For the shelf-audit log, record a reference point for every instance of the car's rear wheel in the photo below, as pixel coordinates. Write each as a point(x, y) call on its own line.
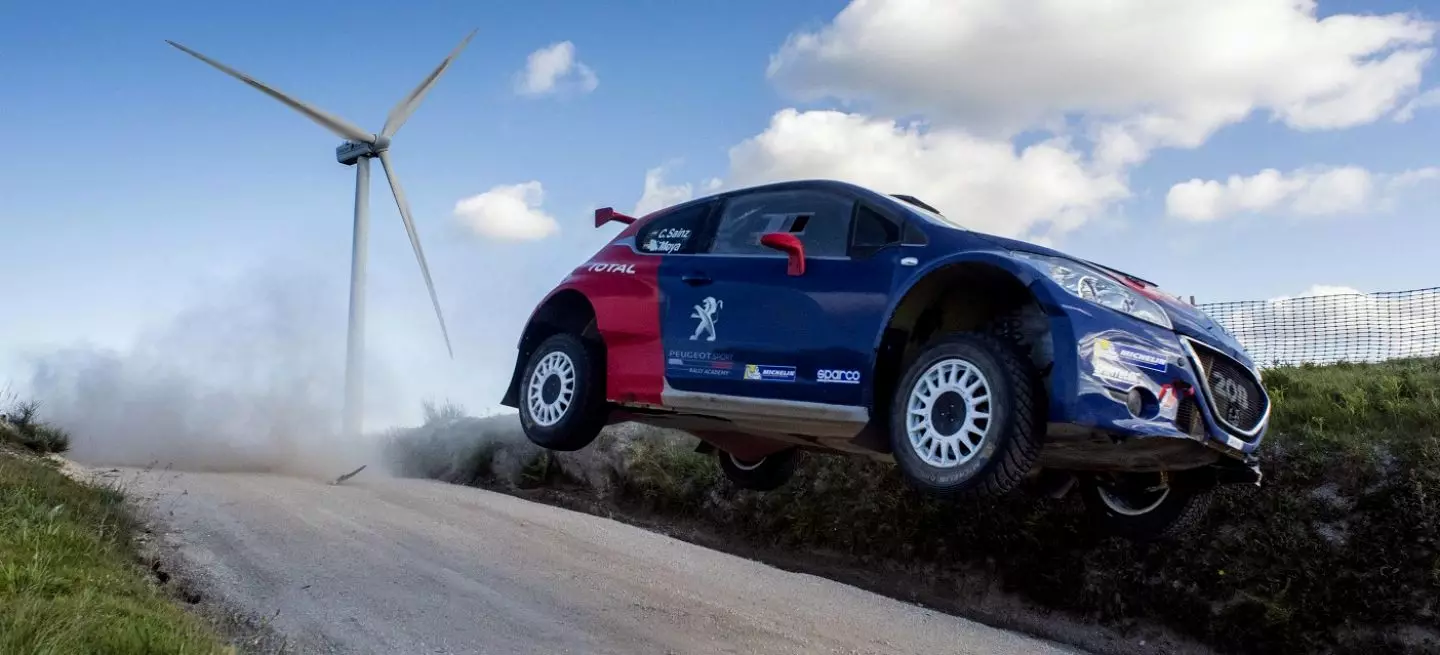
point(562, 394)
point(1147, 506)
point(966, 420)
point(765, 474)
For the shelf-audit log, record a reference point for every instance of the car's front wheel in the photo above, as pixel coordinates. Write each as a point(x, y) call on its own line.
point(765, 474)
point(562, 405)
point(1147, 506)
point(966, 417)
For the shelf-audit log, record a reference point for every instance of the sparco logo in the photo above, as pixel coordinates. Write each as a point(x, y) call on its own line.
point(835, 375)
point(628, 269)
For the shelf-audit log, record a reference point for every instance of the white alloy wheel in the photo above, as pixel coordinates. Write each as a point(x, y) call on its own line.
point(1121, 504)
point(742, 465)
point(551, 389)
point(948, 414)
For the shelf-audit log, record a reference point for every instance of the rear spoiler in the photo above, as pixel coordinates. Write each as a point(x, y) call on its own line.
point(604, 215)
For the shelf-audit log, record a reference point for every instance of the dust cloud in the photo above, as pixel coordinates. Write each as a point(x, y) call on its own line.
point(248, 379)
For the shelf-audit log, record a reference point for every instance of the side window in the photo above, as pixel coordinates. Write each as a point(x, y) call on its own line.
point(820, 220)
point(873, 230)
point(678, 232)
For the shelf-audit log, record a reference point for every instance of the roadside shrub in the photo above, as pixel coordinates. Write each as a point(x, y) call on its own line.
point(20, 424)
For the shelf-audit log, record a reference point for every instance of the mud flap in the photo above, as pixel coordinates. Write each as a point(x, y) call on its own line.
point(512, 393)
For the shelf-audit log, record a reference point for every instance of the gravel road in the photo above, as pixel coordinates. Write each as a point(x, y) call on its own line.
point(380, 565)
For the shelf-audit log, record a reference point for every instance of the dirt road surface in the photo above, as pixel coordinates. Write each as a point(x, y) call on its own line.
point(378, 565)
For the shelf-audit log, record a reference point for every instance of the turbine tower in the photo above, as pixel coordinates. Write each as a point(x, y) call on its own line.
point(358, 149)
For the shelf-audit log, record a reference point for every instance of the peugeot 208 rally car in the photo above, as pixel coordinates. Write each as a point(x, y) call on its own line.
point(823, 316)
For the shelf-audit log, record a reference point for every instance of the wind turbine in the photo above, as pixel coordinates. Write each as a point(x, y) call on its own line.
point(358, 149)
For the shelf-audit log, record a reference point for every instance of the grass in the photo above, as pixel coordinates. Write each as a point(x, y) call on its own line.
point(70, 579)
point(1372, 412)
point(1339, 551)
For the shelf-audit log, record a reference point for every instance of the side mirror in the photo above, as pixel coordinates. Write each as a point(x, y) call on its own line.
point(791, 246)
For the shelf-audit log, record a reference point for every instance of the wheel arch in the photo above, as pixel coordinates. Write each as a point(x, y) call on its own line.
point(963, 292)
point(563, 310)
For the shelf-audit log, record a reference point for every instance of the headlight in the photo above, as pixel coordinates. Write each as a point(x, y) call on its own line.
point(1099, 288)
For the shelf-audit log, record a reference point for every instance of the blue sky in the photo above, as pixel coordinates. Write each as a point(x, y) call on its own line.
point(139, 180)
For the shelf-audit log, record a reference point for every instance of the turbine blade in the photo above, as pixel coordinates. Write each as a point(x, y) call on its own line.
point(414, 242)
point(340, 126)
point(402, 111)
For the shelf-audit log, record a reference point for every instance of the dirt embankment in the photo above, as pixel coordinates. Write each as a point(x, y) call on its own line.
point(1338, 552)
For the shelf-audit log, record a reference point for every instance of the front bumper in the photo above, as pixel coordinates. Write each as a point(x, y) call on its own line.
point(1130, 380)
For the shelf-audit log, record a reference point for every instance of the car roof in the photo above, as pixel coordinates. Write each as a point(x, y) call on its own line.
point(833, 186)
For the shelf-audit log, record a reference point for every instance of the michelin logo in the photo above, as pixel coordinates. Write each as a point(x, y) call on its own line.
point(837, 376)
point(769, 373)
point(1128, 354)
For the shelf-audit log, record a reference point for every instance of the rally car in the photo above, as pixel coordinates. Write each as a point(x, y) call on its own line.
point(823, 316)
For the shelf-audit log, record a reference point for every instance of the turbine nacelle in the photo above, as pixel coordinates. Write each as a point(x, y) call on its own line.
point(350, 152)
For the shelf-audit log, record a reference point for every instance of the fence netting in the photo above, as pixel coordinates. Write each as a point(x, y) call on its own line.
point(1352, 327)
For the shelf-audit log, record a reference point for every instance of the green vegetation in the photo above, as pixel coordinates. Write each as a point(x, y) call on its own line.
point(70, 580)
point(1338, 551)
point(20, 425)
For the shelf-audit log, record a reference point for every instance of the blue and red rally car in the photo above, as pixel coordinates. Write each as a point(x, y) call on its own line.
point(823, 316)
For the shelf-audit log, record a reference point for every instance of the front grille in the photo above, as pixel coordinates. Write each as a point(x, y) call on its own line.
point(1236, 398)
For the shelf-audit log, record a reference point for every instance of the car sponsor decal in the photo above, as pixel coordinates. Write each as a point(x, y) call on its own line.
point(766, 373)
point(707, 313)
point(1112, 373)
point(701, 362)
point(601, 267)
point(840, 376)
point(1141, 357)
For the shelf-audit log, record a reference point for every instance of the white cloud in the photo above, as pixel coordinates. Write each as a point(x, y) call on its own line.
point(1425, 100)
point(1140, 74)
point(1322, 290)
point(1093, 88)
point(1304, 192)
point(658, 195)
point(553, 69)
point(508, 213)
point(985, 184)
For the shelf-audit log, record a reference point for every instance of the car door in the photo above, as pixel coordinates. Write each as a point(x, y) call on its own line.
point(737, 323)
point(632, 303)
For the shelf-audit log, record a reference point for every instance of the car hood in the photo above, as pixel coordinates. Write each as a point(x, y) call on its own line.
point(1188, 319)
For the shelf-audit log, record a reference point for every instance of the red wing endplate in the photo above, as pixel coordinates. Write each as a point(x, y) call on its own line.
point(605, 215)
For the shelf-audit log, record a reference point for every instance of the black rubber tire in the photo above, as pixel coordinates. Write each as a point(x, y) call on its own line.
point(1178, 515)
point(587, 412)
point(770, 473)
point(1013, 437)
